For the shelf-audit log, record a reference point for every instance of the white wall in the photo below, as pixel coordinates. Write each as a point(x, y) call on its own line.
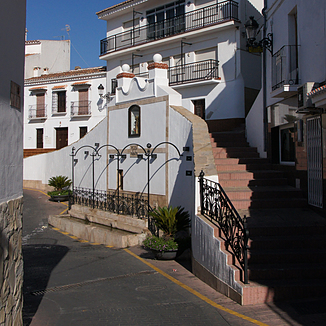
point(12, 18)
point(98, 112)
point(44, 166)
point(54, 55)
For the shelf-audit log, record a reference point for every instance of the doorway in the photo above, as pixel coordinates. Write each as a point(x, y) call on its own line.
point(199, 107)
point(61, 137)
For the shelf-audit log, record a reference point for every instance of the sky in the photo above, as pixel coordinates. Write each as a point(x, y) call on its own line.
point(47, 20)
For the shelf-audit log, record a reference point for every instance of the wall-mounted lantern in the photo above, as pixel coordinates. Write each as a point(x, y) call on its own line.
point(251, 33)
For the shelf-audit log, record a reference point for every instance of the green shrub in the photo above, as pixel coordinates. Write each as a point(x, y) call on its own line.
point(59, 182)
point(159, 244)
point(171, 219)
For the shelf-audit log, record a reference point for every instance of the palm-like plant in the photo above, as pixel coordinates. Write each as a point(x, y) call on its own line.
point(59, 182)
point(170, 219)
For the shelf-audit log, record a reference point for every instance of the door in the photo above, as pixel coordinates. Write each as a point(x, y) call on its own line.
point(61, 137)
point(83, 102)
point(39, 138)
point(315, 162)
point(199, 108)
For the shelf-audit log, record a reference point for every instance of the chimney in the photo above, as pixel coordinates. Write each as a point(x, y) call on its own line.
point(37, 71)
point(158, 70)
point(45, 71)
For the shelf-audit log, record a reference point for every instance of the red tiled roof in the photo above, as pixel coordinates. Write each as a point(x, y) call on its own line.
point(69, 73)
point(80, 83)
point(59, 87)
point(32, 42)
point(121, 4)
point(38, 88)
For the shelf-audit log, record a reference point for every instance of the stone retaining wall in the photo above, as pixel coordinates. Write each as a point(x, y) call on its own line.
point(11, 262)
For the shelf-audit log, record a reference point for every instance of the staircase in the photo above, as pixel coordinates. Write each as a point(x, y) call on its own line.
point(287, 255)
point(250, 181)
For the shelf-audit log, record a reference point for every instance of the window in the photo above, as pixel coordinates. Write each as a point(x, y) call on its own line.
point(59, 102)
point(134, 121)
point(15, 95)
point(40, 105)
point(82, 131)
point(83, 102)
point(39, 138)
point(166, 20)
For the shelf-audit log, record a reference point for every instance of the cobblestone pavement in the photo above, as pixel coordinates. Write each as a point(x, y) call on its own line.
point(71, 282)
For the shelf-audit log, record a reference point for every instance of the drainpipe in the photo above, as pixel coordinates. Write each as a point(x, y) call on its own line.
point(265, 121)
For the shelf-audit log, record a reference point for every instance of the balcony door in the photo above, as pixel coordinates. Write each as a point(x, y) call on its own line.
point(61, 137)
point(40, 105)
point(83, 102)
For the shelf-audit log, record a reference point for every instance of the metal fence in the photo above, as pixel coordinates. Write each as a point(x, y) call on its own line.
point(216, 205)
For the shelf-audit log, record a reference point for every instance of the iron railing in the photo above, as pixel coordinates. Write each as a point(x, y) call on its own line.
point(216, 205)
point(191, 72)
point(37, 111)
point(124, 204)
point(79, 108)
point(182, 74)
point(223, 11)
point(285, 69)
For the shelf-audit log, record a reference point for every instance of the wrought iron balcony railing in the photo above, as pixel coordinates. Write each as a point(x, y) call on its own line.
point(79, 108)
point(182, 74)
point(192, 72)
point(37, 111)
point(223, 11)
point(285, 69)
point(216, 206)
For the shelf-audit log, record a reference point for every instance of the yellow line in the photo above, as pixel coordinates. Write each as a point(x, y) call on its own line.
point(202, 297)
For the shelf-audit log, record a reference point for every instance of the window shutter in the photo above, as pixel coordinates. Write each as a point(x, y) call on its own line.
point(54, 102)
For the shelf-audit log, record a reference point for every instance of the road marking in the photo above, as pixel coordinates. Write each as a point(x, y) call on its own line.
point(197, 294)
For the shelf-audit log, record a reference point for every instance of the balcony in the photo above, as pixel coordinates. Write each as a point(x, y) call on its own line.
point(183, 74)
point(80, 108)
point(285, 72)
point(193, 72)
point(37, 112)
point(207, 16)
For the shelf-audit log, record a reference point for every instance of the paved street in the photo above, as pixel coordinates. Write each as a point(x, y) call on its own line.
point(71, 282)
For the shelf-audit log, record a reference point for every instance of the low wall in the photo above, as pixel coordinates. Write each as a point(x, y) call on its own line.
point(11, 262)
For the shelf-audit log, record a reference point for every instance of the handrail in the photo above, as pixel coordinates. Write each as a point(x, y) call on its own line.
point(216, 205)
point(199, 18)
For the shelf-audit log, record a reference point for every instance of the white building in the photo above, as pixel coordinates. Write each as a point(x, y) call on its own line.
point(294, 93)
point(46, 56)
point(60, 108)
point(201, 41)
point(12, 20)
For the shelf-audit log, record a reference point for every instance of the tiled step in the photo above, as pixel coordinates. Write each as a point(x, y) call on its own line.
point(269, 203)
point(222, 165)
point(299, 271)
point(249, 175)
point(263, 193)
point(288, 241)
point(229, 143)
point(254, 182)
point(308, 231)
point(288, 256)
point(279, 290)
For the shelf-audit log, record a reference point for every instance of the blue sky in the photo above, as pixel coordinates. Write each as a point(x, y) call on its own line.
point(47, 19)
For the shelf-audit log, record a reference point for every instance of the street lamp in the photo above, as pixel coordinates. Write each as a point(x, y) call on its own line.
point(251, 33)
point(100, 89)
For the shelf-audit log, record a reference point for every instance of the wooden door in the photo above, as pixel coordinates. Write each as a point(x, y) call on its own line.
point(83, 102)
point(61, 137)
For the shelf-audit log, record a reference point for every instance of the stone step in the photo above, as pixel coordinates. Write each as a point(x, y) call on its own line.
point(221, 165)
point(249, 175)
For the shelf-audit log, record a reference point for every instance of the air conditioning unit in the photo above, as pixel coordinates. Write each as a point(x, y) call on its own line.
point(303, 100)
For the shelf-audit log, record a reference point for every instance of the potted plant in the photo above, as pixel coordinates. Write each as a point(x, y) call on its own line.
point(61, 186)
point(171, 221)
